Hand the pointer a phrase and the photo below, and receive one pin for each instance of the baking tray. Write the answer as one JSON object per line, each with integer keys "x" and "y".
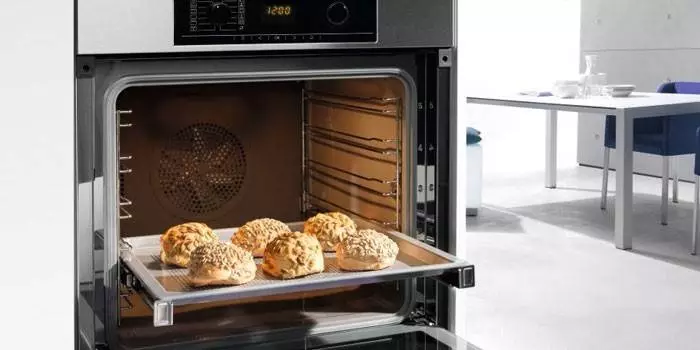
{"x": 164, "y": 286}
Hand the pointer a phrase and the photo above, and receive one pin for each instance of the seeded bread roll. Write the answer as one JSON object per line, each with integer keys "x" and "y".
{"x": 366, "y": 250}
{"x": 178, "y": 242}
{"x": 219, "y": 263}
{"x": 330, "y": 229}
{"x": 255, "y": 235}
{"x": 344, "y": 219}
{"x": 292, "y": 255}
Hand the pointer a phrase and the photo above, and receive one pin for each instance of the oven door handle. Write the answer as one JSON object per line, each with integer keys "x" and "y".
{"x": 461, "y": 278}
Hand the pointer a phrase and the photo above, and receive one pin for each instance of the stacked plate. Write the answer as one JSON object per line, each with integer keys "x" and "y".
{"x": 618, "y": 90}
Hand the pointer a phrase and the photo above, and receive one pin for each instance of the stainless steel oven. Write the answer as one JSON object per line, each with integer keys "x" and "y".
{"x": 223, "y": 111}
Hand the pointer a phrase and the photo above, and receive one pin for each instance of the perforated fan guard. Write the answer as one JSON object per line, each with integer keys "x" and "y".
{"x": 201, "y": 168}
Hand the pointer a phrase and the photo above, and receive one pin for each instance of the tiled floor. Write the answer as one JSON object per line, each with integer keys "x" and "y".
{"x": 548, "y": 276}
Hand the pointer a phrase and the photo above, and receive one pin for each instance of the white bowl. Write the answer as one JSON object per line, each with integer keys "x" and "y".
{"x": 566, "y": 82}
{"x": 565, "y": 90}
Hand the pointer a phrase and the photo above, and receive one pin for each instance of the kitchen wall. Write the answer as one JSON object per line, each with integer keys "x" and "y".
{"x": 36, "y": 175}
{"x": 507, "y": 46}
{"x": 644, "y": 43}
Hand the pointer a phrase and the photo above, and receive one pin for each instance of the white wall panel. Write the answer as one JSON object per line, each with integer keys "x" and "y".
{"x": 643, "y": 43}
{"x": 36, "y": 175}
{"x": 639, "y": 24}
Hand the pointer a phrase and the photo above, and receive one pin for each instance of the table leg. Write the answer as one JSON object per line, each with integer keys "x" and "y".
{"x": 674, "y": 162}
{"x": 696, "y": 217}
{"x": 624, "y": 188}
{"x": 550, "y": 177}
{"x": 664, "y": 190}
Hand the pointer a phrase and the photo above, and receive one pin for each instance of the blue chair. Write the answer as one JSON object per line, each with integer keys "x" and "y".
{"x": 665, "y": 136}
{"x": 696, "y": 211}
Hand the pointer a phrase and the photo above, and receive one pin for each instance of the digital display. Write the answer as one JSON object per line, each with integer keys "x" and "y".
{"x": 279, "y": 15}
{"x": 279, "y": 10}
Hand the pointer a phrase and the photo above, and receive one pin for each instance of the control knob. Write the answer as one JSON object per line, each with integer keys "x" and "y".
{"x": 219, "y": 13}
{"x": 338, "y": 13}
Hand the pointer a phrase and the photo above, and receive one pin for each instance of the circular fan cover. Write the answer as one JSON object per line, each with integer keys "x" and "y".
{"x": 201, "y": 168}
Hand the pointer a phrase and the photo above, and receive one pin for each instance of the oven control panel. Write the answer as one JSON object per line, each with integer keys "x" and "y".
{"x": 216, "y": 22}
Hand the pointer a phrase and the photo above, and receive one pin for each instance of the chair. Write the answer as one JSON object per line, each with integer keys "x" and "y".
{"x": 666, "y": 136}
{"x": 696, "y": 201}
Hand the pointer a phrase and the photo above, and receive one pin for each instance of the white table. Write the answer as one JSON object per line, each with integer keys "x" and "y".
{"x": 638, "y": 105}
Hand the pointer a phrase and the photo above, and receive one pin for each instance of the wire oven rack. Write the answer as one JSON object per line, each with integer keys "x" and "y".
{"x": 366, "y": 149}
{"x": 163, "y": 287}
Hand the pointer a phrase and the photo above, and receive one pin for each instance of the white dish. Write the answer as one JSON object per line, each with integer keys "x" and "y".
{"x": 623, "y": 87}
{"x": 619, "y": 90}
{"x": 620, "y": 93}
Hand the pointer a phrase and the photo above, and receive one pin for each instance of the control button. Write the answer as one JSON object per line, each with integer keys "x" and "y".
{"x": 338, "y": 13}
{"x": 219, "y": 13}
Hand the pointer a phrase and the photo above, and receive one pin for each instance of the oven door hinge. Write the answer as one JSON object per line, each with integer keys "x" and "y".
{"x": 128, "y": 279}
{"x": 417, "y": 317}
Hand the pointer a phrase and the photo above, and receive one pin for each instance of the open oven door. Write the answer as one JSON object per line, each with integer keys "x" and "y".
{"x": 396, "y": 337}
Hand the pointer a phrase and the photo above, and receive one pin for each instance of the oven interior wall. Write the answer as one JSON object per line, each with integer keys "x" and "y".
{"x": 227, "y": 153}
{"x": 219, "y": 154}
{"x": 224, "y": 154}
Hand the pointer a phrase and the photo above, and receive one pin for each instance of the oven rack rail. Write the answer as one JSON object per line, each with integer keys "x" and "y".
{"x": 324, "y": 206}
{"x": 380, "y": 106}
{"x": 124, "y": 170}
{"x": 163, "y": 287}
{"x": 383, "y": 151}
{"x": 326, "y": 136}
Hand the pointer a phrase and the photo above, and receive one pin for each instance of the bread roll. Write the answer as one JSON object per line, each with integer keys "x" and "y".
{"x": 330, "y": 229}
{"x": 344, "y": 219}
{"x": 255, "y": 235}
{"x": 292, "y": 255}
{"x": 366, "y": 250}
{"x": 219, "y": 263}
{"x": 178, "y": 242}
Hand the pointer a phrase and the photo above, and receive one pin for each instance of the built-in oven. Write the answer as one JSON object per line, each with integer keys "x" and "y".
{"x": 225, "y": 111}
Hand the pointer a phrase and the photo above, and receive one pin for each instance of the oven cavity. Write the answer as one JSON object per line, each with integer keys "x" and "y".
{"x": 227, "y": 153}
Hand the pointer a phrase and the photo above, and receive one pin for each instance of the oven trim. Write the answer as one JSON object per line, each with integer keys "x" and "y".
{"x": 115, "y": 27}
{"x": 110, "y": 162}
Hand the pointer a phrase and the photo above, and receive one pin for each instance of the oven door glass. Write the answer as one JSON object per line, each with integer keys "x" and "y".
{"x": 393, "y": 337}
{"x": 397, "y": 337}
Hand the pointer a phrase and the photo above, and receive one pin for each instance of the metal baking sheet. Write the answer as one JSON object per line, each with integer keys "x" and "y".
{"x": 169, "y": 286}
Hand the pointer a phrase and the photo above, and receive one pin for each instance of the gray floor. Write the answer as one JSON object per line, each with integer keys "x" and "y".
{"x": 548, "y": 276}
